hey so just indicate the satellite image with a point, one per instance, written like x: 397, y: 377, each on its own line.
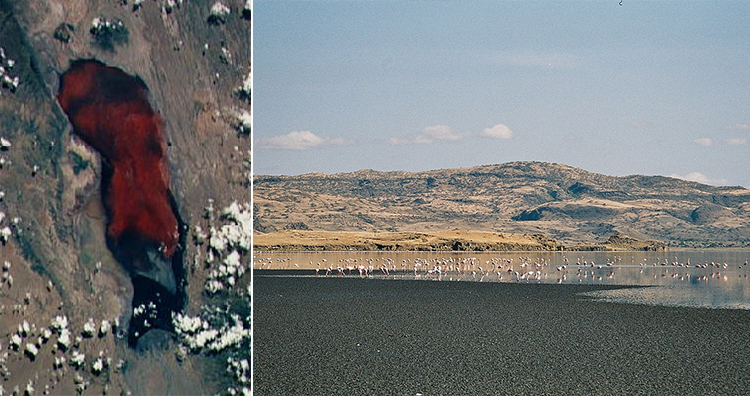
x: 125, y: 220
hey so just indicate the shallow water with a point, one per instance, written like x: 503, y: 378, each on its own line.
x: 703, y: 279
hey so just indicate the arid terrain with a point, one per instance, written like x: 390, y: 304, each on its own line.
x: 194, y: 58
x: 570, y: 207
x: 454, y: 240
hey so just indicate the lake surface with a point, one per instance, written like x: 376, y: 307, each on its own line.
x: 704, y: 279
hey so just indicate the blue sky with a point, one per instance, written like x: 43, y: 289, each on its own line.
x: 655, y: 88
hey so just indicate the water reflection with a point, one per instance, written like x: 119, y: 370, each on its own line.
x: 713, y: 279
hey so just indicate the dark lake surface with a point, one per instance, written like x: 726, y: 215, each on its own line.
x: 456, y: 334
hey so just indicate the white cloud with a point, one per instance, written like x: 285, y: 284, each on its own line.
x: 429, y: 135
x: 422, y: 140
x: 298, y: 141
x: 701, y: 178
x: 498, y: 131
x: 738, y: 127
x: 704, y: 141
x: 736, y: 141
x: 442, y: 132
x: 394, y: 141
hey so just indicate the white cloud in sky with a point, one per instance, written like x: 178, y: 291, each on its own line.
x: 701, y: 178
x: 704, y: 141
x: 498, y: 131
x: 736, y: 141
x: 429, y: 135
x: 301, y: 140
x: 421, y: 139
x: 738, y: 127
x: 394, y: 141
x: 442, y: 132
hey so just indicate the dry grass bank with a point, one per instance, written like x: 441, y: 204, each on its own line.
x: 448, y: 240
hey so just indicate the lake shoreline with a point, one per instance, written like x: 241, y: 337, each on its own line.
x: 438, y: 241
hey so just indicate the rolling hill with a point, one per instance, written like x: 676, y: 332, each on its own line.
x: 567, y: 204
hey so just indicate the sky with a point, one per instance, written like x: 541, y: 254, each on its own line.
x: 646, y: 87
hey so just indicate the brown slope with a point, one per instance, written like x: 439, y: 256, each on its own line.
x: 559, y: 201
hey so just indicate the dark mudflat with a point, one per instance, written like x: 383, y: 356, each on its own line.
x: 346, y: 336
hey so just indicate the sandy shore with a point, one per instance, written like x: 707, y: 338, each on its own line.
x: 334, y: 336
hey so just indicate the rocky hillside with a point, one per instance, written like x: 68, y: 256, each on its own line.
x: 561, y: 202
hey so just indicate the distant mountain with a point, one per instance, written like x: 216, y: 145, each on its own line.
x: 562, y: 202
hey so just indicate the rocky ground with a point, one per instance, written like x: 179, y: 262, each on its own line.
x: 195, y: 58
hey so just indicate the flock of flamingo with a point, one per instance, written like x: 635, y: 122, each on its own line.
x: 520, y: 269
